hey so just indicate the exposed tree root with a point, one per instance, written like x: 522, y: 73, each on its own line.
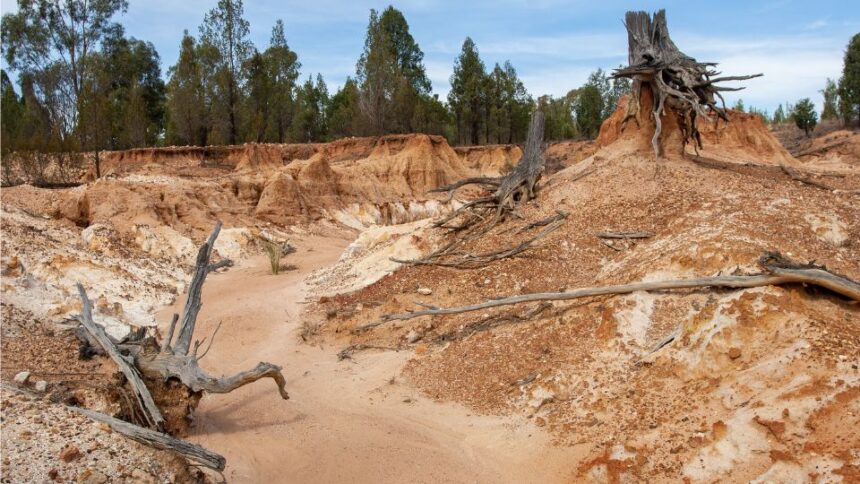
x: 172, y: 367
x: 346, y: 353
x: 676, y: 80
x: 777, y: 271
x: 476, y: 218
x: 465, y: 260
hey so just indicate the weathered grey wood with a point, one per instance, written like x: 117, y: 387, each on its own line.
x: 158, y: 440
x: 675, y: 79
x: 625, y: 235
x: 165, y: 347
x: 778, y: 272
x: 144, y: 398
x: 178, y: 362
x: 195, y: 292
x: 477, y: 217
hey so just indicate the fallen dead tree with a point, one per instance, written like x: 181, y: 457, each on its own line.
x: 777, y: 271
x: 148, y: 365
x: 477, y: 217
x: 676, y: 81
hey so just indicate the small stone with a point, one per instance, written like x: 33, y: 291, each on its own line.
x: 425, y: 291
x: 486, y: 281
x: 53, y: 474
x: 41, y: 386
x: 22, y: 377
x: 413, y: 336
x: 90, y: 476
x: 141, y: 477
x: 734, y: 353
x: 69, y: 453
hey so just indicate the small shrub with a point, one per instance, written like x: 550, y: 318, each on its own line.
x: 276, y: 252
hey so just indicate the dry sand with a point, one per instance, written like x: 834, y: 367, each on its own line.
x: 348, y: 421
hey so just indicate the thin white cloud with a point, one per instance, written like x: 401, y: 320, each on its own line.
x: 817, y: 24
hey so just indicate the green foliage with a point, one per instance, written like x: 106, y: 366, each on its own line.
x: 559, y: 122
x: 739, y: 106
x: 186, y: 110
x: 761, y: 113
x: 589, y: 109
x: 404, y: 50
x: 466, y: 97
x: 225, y: 32
x: 343, y: 112
x: 274, y: 253
x: 391, y: 75
x: 620, y: 87
x: 127, y: 78
x: 282, y: 66
x: 431, y: 116
x: 849, y: 83
x: 804, y: 115
x: 508, y: 106
x: 11, y: 115
x: 50, y: 44
x: 831, y: 100
x: 259, y: 91
x: 779, y: 115
x: 312, y: 101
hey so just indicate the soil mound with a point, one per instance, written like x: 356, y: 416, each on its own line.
x: 744, y: 139
x: 563, y: 154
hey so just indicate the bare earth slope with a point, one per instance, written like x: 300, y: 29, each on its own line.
x: 757, y: 384
x: 742, y: 385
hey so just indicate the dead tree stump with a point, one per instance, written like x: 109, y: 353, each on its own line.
x: 679, y: 85
x: 170, y: 371
x: 477, y: 217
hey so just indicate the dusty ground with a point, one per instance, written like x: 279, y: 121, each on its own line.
x: 756, y: 385
x: 361, y: 414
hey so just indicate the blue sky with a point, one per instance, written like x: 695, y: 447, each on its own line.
x: 553, y: 44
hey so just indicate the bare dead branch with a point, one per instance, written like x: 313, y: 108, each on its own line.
x: 778, y: 271
x: 195, y: 292
x: 158, y: 440
x: 144, y: 398
x: 625, y: 235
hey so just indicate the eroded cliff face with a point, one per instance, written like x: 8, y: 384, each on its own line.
x: 131, y: 235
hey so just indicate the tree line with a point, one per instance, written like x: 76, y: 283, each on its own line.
x: 84, y: 85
